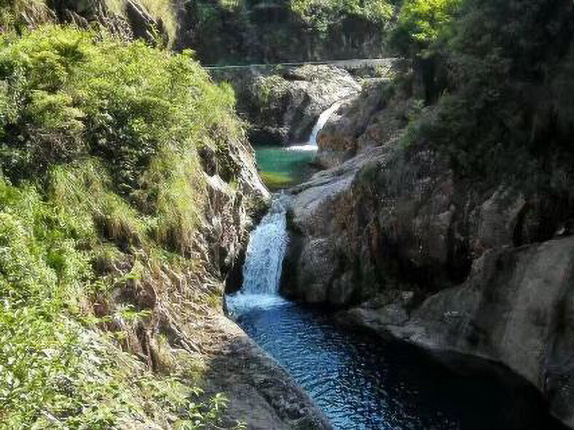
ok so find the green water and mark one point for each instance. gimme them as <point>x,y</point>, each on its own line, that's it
<point>281,168</point>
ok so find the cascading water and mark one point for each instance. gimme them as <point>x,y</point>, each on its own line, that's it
<point>265,253</point>
<point>311,144</point>
<point>264,260</point>
<point>323,118</point>
<point>284,166</point>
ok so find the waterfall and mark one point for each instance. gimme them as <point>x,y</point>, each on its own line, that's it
<point>265,253</point>
<point>263,261</point>
<point>323,118</point>
<point>311,144</point>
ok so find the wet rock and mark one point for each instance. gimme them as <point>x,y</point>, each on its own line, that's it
<point>261,393</point>
<point>497,219</point>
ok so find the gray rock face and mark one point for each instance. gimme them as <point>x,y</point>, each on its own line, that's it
<point>315,269</point>
<point>385,214</point>
<point>516,307</point>
<point>283,107</point>
<point>236,195</point>
<point>434,258</point>
<point>376,214</point>
<point>364,121</point>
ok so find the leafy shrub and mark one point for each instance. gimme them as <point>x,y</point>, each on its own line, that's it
<point>124,100</point>
<point>422,23</point>
<point>323,14</point>
<point>98,168</point>
<point>497,116</point>
<point>22,14</point>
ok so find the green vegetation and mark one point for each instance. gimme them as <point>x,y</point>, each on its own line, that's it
<point>247,31</point>
<point>494,75</point>
<point>161,11</point>
<point>100,188</point>
<point>422,23</point>
<point>21,14</point>
<point>276,181</point>
<point>324,14</point>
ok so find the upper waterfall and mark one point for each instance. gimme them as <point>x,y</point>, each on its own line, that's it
<point>323,118</point>
<point>311,144</point>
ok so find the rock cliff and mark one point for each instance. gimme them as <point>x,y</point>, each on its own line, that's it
<point>516,308</point>
<point>433,258</point>
<point>282,106</point>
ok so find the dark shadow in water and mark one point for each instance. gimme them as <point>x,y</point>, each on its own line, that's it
<point>361,381</point>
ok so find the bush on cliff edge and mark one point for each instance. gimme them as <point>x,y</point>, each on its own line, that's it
<point>100,187</point>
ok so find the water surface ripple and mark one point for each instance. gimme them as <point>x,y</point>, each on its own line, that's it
<point>363,382</point>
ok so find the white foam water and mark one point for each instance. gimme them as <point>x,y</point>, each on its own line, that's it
<point>311,144</point>
<point>264,260</point>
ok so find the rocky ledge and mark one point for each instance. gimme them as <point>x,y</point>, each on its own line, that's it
<point>261,394</point>
<point>282,105</point>
<point>516,307</point>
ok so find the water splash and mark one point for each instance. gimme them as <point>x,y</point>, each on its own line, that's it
<point>264,260</point>
<point>265,253</point>
<point>311,145</point>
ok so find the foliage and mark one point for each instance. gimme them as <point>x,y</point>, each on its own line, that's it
<point>422,23</point>
<point>73,98</point>
<point>276,181</point>
<point>497,117</point>
<point>323,14</point>
<point>256,31</point>
<point>99,171</point>
<point>20,14</point>
<point>161,10</point>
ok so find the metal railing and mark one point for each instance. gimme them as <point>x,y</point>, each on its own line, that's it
<point>342,63</point>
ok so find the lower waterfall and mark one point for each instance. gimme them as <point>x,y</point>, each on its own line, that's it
<point>264,260</point>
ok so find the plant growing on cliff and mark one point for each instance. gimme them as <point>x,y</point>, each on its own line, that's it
<point>422,23</point>
<point>487,74</point>
<point>323,14</point>
<point>100,188</point>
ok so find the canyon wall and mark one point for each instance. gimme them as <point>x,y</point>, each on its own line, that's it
<point>447,262</point>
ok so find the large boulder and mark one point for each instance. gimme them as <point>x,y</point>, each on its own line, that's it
<point>375,116</point>
<point>374,216</point>
<point>314,269</point>
<point>516,307</point>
